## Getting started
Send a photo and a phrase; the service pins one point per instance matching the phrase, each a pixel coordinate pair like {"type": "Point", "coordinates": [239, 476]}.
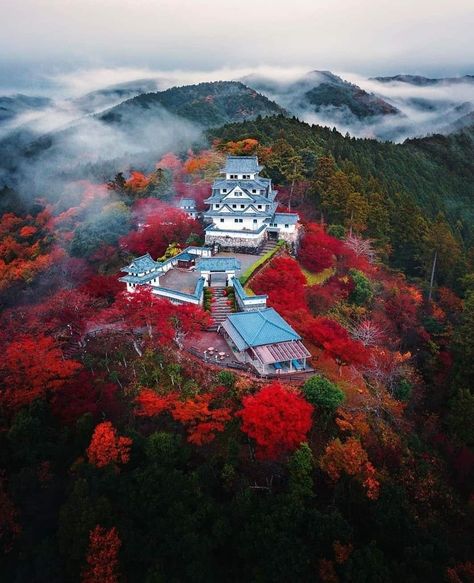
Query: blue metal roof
{"type": "Point", "coordinates": [286, 218]}
{"type": "Point", "coordinates": [258, 328]}
{"type": "Point", "coordinates": [185, 256]}
{"type": "Point", "coordinates": [218, 264]}
{"type": "Point", "coordinates": [242, 165]}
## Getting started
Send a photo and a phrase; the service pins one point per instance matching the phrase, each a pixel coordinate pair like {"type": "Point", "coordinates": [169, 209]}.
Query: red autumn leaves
{"type": "Point", "coordinates": [107, 447]}
{"type": "Point", "coordinates": [277, 419]}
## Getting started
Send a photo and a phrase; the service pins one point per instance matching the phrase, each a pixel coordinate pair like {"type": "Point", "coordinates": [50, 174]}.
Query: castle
{"type": "Point", "coordinates": [242, 209]}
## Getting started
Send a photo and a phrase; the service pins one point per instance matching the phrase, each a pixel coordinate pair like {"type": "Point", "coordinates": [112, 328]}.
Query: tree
{"type": "Point", "coordinates": [321, 392]}
{"type": "Point", "coordinates": [107, 447]}
{"type": "Point", "coordinates": [102, 556]}
{"type": "Point", "coordinates": [32, 367]}
{"type": "Point", "coordinates": [464, 345]}
{"type": "Point", "coordinates": [461, 416]}
{"type": "Point", "coordinates": [300, 470]}
{"type": "Point", "coordinates": [277, 419]}
{"type": "Point", "coordinates": [318, 250]}
{"type": "Point", "coordinates": [350, 458]}
{"type": "Point", "coordinates": [102, 229]}
{"type": "Point", "coordinates": [201, 418]}
{"type": "Point", "coordinates": [362, 293]}
{"type": "Point", "coordinates": [159, 225]}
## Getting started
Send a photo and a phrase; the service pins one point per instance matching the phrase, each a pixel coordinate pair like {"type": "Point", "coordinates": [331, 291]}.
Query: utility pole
{"type": "Point", "coordinates": [433, 269]}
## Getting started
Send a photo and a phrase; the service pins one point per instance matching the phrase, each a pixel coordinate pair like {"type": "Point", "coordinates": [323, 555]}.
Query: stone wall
{"type": "Point", "coordinates": [236, 244]}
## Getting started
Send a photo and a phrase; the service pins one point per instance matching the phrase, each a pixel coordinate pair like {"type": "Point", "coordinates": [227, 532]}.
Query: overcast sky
{"type": "Point", "coordinates": [43, 37]}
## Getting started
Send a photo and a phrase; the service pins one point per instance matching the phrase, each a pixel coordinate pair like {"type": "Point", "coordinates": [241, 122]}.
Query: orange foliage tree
{"type": "Point", "coordinates": [201, 420]}
{"type": "Point", "coordinates": [350, 458]}
{"type": "Point", "coordinates": [102, 556]}
{"type": "Point", "coordinates": [31, 367]}
{"type": "Point", "coordinates": [107, 447]}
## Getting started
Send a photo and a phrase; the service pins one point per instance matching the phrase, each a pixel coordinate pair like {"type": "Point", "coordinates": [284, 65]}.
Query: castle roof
{"type": "Point", "coordinates": [242, 165]}
{"type": "Point", "coordinates": [287, 218]}
{"type": "Point", "coordinates": [142, 264]}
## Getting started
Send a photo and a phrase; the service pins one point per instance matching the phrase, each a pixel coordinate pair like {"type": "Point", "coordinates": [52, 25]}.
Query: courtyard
{"type": "Point", "coordinates": [184, 280]}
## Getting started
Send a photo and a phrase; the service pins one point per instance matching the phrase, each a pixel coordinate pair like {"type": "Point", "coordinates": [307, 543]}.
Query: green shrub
{"type": "Point", "coordinates": [323, 393]}
{"type": "Point", "coordinates": [337, 231]}
{"type": "Point", "coordinates": [227, 378]}
{"type": "Point", "coordinates": [402, 391]}
{"type": "Point", "coordinates": [363, 292]}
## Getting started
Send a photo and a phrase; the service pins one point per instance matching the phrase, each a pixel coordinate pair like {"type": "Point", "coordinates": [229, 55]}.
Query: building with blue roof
{"type": "Point", "coordinates": [188, 205]}
{"type": "Point", "coordinates": [242, 209]}
{"type": "Point", "coordinates": [263, 339]}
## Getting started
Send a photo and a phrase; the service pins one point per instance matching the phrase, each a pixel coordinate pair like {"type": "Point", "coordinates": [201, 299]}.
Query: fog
{"type": "Point", "coordinates": [70, 142]}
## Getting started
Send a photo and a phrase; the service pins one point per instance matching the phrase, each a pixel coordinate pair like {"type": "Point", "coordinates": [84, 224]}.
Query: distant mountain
{"type": "Point", "coordinates": [421, 81]}
{"type": "Point", "coordinates": [14, 105]}
{"type": "Point", "coordinates": [205, 104]}
{"type": "Point", "coordinates": [100, 99]}
{"type": "Point", "coordinates": [323, 92]}
{"type": "Point", "coordinates": [136, 132]}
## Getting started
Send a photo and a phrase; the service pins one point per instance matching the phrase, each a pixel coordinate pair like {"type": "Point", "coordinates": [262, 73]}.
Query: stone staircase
{"type": "Point", "coordinates": [219, 307]}
{"type": "Point", "coordinates": [268, 246]}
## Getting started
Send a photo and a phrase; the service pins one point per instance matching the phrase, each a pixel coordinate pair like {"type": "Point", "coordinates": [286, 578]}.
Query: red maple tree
{"type": "Point", "coordinates": [277, 419]}
{"type": "Point", "coordinates": [107, 447]}
{"type": "Point", "coordinates": [102, 556]}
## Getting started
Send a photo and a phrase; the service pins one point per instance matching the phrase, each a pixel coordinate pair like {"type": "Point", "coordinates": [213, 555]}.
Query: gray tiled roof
{"type": "Point", "coordinates": [286, 218]}
{"type": "Point", "coordinates": [242, 164]}
{"type": "Point", "coordinates": [142, 264]}
{"type": "Point", "coordinates": [187, 202]}
{"type": "Point", "coordinates": [258, 183]}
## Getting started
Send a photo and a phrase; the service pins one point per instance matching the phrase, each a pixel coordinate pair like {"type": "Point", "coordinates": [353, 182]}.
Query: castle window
{"type": "Point", "coordinates": [222, 220]}
{"type": "Point", "coordinates": [259, 206]}
{"type": "Point", "coordinates": [254, 191]}
{"type": "Point", "coordinates": [242, 206]}
{"type": "Point", "coordinates": [234, 206]}
{"type": "Point", "coordinates": [218, 206]}
{"type": "Point", "coordinates": [286, 226]}
{"type": "Point", "coordinates": [255, 220]}
{"type": "Point", "coordinates": [224, 190]}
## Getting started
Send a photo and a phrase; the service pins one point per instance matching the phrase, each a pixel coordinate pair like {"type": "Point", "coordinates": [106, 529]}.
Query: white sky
{"type": "Point", "coordinates": [365, 36]}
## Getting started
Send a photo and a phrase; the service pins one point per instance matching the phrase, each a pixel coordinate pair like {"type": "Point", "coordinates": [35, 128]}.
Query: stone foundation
{"type": "Point", "coordinates": [236, 244]}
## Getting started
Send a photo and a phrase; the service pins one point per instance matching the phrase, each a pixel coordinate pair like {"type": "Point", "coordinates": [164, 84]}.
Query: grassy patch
{"type": "Point", "coordinates": [317, 278]}
{"type": "Point", "coordinates": [263, 259]}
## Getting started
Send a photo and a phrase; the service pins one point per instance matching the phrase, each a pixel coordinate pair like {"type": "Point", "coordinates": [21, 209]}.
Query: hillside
{"type": "Point", "coordinates": [14, 105]}
{"type": "Point", "coordinates": [319, 90]}
{"type": "Point", "coordinates": [436, 171]}
{"type": "Point", "coordinates": [129, 455]}
{"type": "Point", "coordinates": [206, 104]}
{"type": "Point", "coordinates": [421, 81]}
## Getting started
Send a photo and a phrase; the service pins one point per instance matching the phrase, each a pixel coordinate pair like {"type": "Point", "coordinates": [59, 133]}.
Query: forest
{"type": "Point", "coordinates": [123, 458]}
